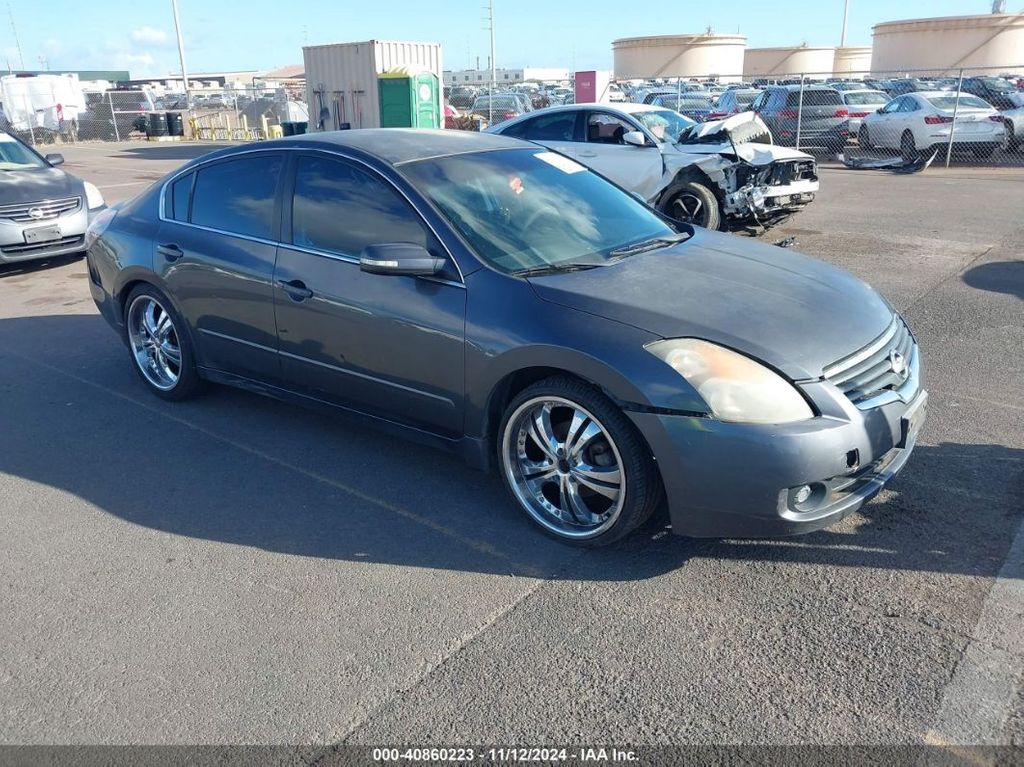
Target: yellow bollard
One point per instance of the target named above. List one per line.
(276, 131)
(266, 131)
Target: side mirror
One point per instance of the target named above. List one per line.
(399, 258)
(635, 138)
(55, 159)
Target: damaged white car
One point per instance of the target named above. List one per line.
(719, 174)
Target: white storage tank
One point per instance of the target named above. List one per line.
(852, 60)
(788, 61)
(949, 43)
(341, 78)
(702, 55)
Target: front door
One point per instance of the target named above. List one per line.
(392, 346)
(215, 251)
(638, 169)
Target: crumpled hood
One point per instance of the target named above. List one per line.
(19, 186)
(743, 135)
(791, 311)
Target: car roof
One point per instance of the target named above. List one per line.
(392, 145)
(866, 90)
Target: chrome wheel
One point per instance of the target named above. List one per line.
(688, 208)
(154, 342)
(564, 467)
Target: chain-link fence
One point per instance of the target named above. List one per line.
(46, 111)
(864, 118)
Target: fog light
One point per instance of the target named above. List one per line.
(802, 494)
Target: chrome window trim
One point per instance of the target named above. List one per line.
(316, 150)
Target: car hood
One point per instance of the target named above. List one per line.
(742, 135)
(17, 186)
(791, 311)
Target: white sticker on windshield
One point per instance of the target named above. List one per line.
(561, 162)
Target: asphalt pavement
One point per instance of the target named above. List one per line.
(233, 569)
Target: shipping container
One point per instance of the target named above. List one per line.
(341, 79)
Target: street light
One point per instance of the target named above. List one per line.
(181, 54)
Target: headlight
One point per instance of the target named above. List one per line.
(93, 197)
(736, 388)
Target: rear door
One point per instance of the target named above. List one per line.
(883, 128)
(216, 249)
(555, 130)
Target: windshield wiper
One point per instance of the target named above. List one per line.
(645, 245)
(555, 269)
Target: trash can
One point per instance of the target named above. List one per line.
(288, 128)
(300, 127)
(156, 124)
(175, 124)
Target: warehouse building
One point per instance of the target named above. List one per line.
(504, 76)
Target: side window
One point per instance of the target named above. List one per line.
(559, 126)
(176, 203)
(758, 104)
(340, 209)
(909, 105)
(238, 196)
(518, 130)
(892, 106)
(603, 128)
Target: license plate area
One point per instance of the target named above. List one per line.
(42, 234)
(913, 420)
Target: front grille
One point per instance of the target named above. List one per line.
(46, 210)
(870, 371)
(39, 247)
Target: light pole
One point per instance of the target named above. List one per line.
(494, 68)
(181, 55)
(846, 18)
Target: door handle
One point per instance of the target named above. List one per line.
(296, 289)
(587, 154)
(170, 251)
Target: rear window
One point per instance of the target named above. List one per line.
(180, 192)
(876, 97)
(814, 98)
(949, 102)
(746, 98)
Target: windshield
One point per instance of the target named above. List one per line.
(522, 209)
(500, 102)
(666, 125)
(16, 156)
(998, 84)
(685, 102)
(949, 102)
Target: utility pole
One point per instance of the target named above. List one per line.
(17, 42)
(181, 55)
(494, 66)
(846, 18)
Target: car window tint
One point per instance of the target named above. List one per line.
(340, 209)
(603, 128)
(238, 196)
(180, 191)
(554, 127)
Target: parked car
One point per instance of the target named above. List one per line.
(817, 113)
(861, 104)
(693, 105)
(921, 121)
(714, 175)
(997, 91)
(733, 101)
(44, 211)
(496, 109)
(900, 86)
(501, 301)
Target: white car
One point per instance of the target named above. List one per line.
(710, 174)
(1013, 122)
(861, 103)
(917, 122)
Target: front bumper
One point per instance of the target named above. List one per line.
(741, 480)
(14, 247)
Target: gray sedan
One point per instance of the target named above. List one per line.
(490, 297)
(44, 211)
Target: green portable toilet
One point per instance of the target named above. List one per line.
(409, 100)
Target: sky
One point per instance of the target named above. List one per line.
(138, 35)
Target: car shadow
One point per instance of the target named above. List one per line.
(240, 469)
(36, 265)
(998, 277)
(174, 151)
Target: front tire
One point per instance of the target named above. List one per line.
(159, 345)
(908, 148)
(575, 464)
(692, 203)
(862, 137)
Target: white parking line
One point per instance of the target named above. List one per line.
(977, 700)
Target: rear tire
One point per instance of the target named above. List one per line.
(692, 203)
(1012, 141)
(862, 137)
(159, 344)
(575, 464)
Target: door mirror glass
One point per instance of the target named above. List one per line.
(635, 137)
(55, 159)
(399, 258)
